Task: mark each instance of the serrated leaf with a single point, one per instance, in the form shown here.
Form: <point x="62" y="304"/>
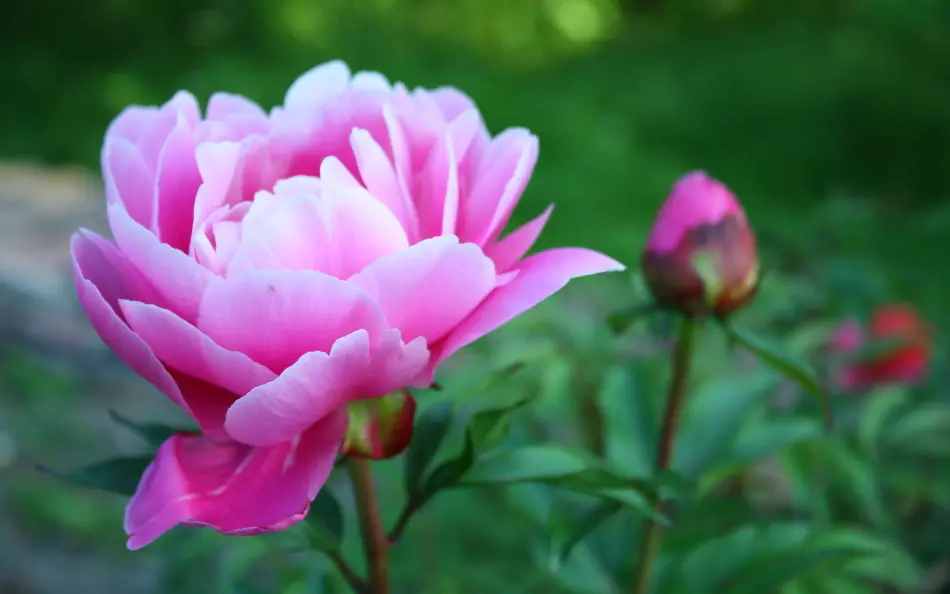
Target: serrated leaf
<point x="325" y="522"/>
<point x="154" y="434"/>
<point x="118" y="475"/>
<point x="798" y="371"/>
<point x="430" y="430"/>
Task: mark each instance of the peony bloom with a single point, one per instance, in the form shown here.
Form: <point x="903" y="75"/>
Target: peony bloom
<point x="268" y="270"/>
<point x="701" y="256"/>
<point x="896" y="349"/>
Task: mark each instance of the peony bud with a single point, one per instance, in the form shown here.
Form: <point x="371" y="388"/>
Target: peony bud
<point x="380" y="428"/>
<point x="701" y="255"/>
<point x="896" y="349"/>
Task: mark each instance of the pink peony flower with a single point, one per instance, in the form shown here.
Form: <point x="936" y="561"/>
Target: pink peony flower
<point x="701" y="255"/>
<point x="269" y="269"/>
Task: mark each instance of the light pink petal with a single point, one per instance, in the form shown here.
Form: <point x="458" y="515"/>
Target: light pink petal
<point x="509" y="250"/>
<point x="317" y="84"/>
<point x="275" y="316"/>
<point x="379" y="176"/>
<point x="222" y="106"/>
<point x="178" y="278"/>
<point x="128" y="180"/>
<point x="181" y="110"/>
<point x="334" y="172"/>
<point x="338" y="233"/>
<point x="429" y="288"/>
<point x="217" y="164"/>
<point x="370" y="81"/>
<point x="104" y="277"/>
<point x="539" y="277"/>
<point x="320" y="383"/>
<point x="502" y="175"/>
<point x="183" y="347"/>
<point x="231" y="487"/>
<point x="131" y="123"/>
<point x="176" y="187"/>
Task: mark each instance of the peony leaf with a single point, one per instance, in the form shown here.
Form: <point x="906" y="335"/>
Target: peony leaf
<point x="621" y="321"/>
<point x="118" y="475"/>
<point x="154" y="434"/>
<point x="565" y="535"/>
<point x="431" y="428"/>
<point x="325" y="522"/>
<point x="797" y="371"/>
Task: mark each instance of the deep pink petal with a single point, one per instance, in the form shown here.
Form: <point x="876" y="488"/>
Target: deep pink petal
<point x="510" y="249"/>
<point x="176" y="187"/>
<point x="319" y="383"/>
<point x="183" y="347"/>
<point x="696" y="199"/>
<point x="104" y="277"/>
<point x="178" y="278"/>
<point x="231" y="487"/>
<point x="128" y="180"/>
<point x="539" y="277"/>
<point x="275" y="316"/>
<point x="429" y="288"/>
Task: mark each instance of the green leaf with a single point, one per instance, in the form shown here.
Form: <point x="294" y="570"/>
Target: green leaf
<point x="621" y="321"/>
<point x="431" y="428"/>
<point x="487" y="429"/>
<point x="715" y="414"/>
<point x="566" y="468"/>
<point x="449" y="472"/>
<point x="325" y="522"/>
<point x="565" y="535"/>
<point x="118" y="475"/>
<point x="798" y="371"/>
<point x="771" y="574"/>
<point x="879" y="411"/>
<point x="154" y="434"/>
<point x="629" y="419"/>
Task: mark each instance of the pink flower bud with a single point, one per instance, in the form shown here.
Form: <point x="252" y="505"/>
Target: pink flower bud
<point x="380" y="428"/>
<point x="701" y="255"/>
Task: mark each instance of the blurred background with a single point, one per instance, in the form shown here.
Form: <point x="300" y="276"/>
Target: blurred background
<point x="828" y="118"/>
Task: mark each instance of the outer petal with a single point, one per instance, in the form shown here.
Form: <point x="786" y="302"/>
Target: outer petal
<point x="429" y="288"/>
<point x="184" y="348"/>
<point x="128" y="180"/>
<point x="176" y="186"/>
<point x="275" y="316"/>
<point x="320" y="383"/>
<point x="539" y="277"/>
<point x="103" y="277"/>
<point x="178" y="278"/>
<point x="507" y="252"/>
<point x="317" y="84"/>
<point x="233" y="488"/>
<point x="696" y="199"/>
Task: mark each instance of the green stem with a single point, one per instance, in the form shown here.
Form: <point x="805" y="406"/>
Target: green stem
<point x="374" y="538"/>
<point x="652" y="534"/>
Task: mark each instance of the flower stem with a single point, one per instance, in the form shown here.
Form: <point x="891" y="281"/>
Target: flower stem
<point x="375" y="542"/>
<point x="653" y="531"/>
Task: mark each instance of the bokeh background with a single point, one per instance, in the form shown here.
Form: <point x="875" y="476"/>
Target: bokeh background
<point x="828" y="118"/>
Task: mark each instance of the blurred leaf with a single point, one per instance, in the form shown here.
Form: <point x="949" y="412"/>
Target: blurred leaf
<point x="630" y="423"/>
<point x="773" y="573"/>
<point x="716" y="412"/>
<point x="449" y="472"/>
<point x="487" y="429"/>
<point x="430" y="430"/>
<point x="565" y="535"/>
<point x="118" y="475"/>
<point x="325" y="522"/>
<point x="798" y="371"/>
<point x="621" y="321"/>
<point x="880" y="408"/>
<point x="857" y="476"/>
<point x="154" y="434"/>
<point x="883" y="561"/>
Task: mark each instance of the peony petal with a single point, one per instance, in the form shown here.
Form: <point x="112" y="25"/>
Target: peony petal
<point x="128" y="180"/>
<point x="222" y="106"/>
<point x="379" y="176"/>
<point x="180" y="110"/>
<point x="539" y="277"/>
<point x="178" y="278"/>
<point x="176" y="187"/>
<point x="275" y="316"/>
<point x="183" y="347"/>
<point x="502" y="175"/>
<point x="317" y="84"/>
<point x="320" y="383"/>
<point x="338" y="233"/>
<point x="103" y="277"/>
<point x="429" y="288"/>
<point x="509" y="250"/>
<point x="231" y="487"/>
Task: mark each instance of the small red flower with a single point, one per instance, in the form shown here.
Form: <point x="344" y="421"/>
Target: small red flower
<point x="895" y="350"/>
